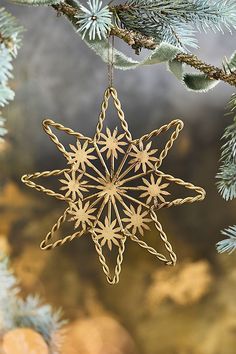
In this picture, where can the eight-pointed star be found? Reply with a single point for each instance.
(113, 186)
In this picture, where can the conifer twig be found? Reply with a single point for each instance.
(137, 41)
(211, 71)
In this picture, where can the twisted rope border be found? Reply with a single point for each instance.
(47, 243)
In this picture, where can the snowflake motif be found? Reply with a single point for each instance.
(81, 155)
(143, 156)
(108, 178)
(154, 189)
(137, 219)
(94, 20)
(108, 233)
(82, 214)
(74, 185)
(112, 143)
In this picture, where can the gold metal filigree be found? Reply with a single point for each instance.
(113, 186)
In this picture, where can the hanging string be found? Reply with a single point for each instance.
(111, 42)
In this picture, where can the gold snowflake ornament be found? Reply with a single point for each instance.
(113, 187)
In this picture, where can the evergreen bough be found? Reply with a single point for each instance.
(28, 313)
(227, 176)
(176, 22)
(10, 40)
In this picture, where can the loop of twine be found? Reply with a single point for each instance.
(110, 61)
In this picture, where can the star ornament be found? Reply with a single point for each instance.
(113, 187)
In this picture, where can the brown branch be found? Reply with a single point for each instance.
(138, 41)
(65, 9)
(6, 40)
(134, 39)
(210, 71)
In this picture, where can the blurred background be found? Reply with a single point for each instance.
(189, 309)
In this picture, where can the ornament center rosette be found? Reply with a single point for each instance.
(114, 186)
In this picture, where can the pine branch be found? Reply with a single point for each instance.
(228, 244)
(227, 176)
(10, 32)
(210, 71)
(31, 313)
(174, 21)
(137, 40)
(227, 172)
(227, 181)
(171, 21)
(16, 312)
(10, 40)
